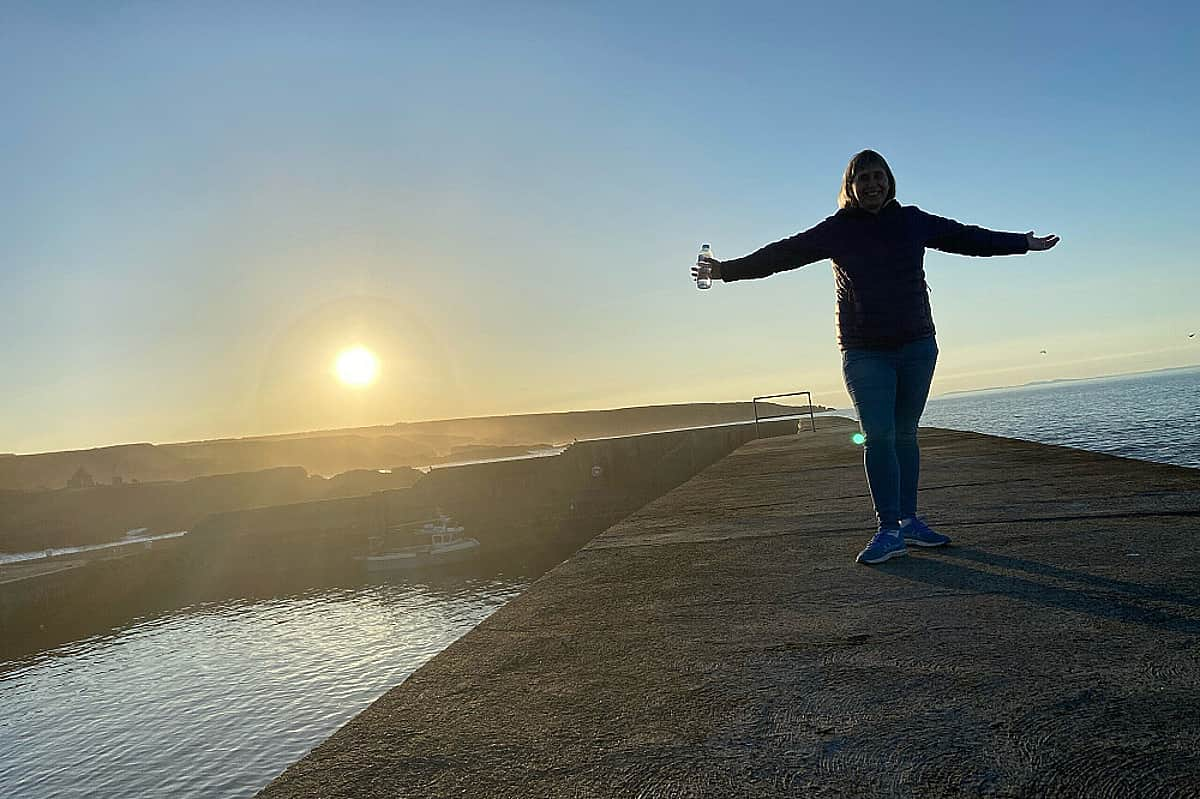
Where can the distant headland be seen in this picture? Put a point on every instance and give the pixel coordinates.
(1037, 383)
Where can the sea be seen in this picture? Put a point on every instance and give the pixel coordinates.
(1153, 416)
(215, 700)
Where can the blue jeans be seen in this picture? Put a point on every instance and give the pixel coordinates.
(889, 389)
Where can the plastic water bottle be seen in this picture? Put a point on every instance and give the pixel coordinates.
(703, 269)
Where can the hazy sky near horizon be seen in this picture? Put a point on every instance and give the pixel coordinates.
(204, 203)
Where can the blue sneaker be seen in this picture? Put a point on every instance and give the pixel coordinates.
(917, 532)
(885, 544)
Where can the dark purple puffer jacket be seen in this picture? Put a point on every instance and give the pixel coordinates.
(879, 265)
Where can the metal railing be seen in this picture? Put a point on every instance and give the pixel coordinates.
(811, 418)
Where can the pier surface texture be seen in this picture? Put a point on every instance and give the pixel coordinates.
(721, 642)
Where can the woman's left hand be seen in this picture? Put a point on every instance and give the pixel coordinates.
(1040, 242)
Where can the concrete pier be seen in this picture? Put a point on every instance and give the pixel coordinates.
(721, 642)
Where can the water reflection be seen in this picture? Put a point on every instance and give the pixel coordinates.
(215, 699)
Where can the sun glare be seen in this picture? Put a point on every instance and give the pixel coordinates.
(356, 366)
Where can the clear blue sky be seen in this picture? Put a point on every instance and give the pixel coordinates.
(203, 203)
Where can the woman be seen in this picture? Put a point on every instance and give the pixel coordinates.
(884, 325)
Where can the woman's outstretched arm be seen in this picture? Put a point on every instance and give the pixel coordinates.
(948, 235)
(804, 248)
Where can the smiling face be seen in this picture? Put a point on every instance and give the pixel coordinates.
(871, 186)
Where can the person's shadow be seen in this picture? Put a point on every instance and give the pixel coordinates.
(1104, 597)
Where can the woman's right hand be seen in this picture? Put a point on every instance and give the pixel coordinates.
(714, 266)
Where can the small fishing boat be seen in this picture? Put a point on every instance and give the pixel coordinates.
(446, 545)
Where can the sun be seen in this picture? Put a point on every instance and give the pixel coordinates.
(356, 366)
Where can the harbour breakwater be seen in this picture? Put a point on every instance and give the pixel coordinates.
(33, 521)
(535, 510)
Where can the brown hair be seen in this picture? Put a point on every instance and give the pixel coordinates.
(864, 160)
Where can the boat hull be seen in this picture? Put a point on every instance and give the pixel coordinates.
(410, 558)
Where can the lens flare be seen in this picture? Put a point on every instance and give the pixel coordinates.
(858, 438)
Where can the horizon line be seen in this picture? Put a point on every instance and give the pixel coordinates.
(1032, 383)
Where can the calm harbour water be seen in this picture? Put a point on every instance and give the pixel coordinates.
(1152, 417)
(216, 700)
